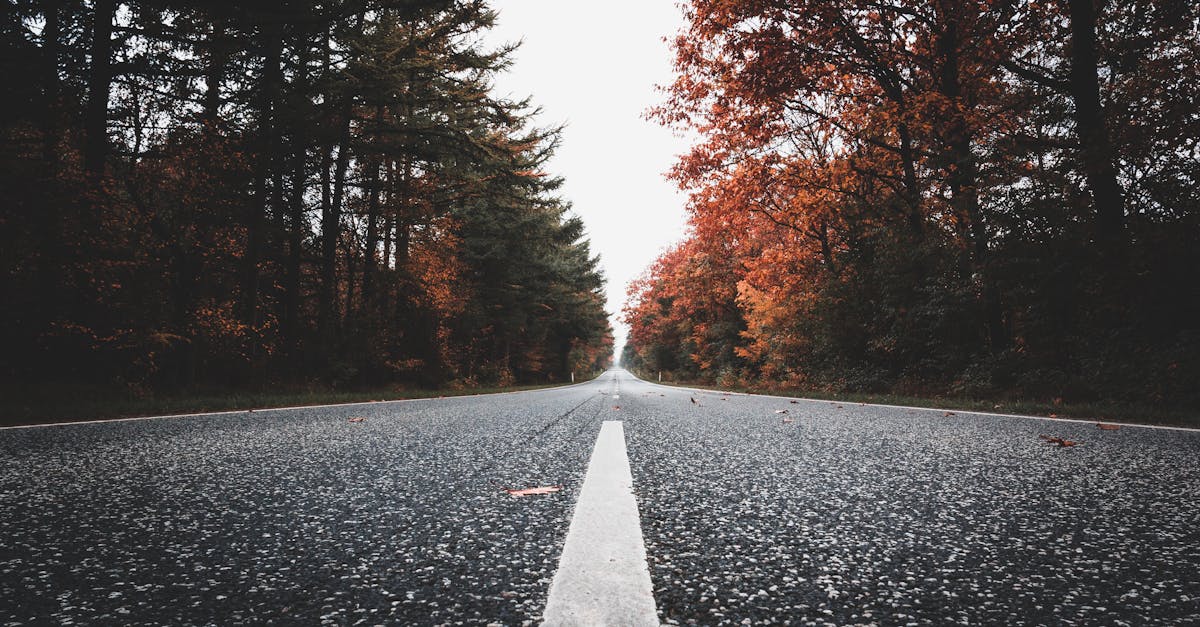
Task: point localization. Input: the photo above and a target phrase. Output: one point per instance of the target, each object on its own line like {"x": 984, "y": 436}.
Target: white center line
{"x": 602, "y": 577}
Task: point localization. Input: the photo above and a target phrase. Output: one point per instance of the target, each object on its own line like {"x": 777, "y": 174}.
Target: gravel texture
{"x": 851, "y": 514}
{"x": 298, "y": 516}
{"x": 845, "y": 514}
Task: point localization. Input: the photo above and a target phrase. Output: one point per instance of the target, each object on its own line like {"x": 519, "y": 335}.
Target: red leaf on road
{"x": 357, "y": 419}
{"x": 1060, "y": 442}
{"x": 531, "y": 491}
{"x": 1107, "y": 427}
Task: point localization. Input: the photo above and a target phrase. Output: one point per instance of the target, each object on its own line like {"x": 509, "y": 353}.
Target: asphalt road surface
{"x": 827, "y": 514}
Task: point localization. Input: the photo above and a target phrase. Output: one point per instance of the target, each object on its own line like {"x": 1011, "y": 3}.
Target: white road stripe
{"x": 602, "y": 577}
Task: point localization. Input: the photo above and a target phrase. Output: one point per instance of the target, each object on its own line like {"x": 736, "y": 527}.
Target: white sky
{"x": 594, "y": 66}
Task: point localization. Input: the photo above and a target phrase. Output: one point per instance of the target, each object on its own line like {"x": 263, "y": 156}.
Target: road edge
{"x": 913, "y": 407}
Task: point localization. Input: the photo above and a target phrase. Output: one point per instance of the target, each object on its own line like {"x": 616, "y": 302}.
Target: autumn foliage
{"x": 978, "y": 197}
{"x": 247, "y": 193}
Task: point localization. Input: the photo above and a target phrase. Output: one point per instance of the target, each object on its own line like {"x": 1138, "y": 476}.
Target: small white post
{"x": 572, "y": 376}
{"x": 660, "y": 376}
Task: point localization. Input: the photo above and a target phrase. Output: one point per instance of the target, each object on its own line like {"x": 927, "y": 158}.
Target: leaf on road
{"x": 532, "y": 491}
{"x": 357, "y": 419}
{"x": 788, "y": 421}
{"x": 781, "y": 411}
{"x": 693, "y": 400}
{"x": 1107, "y": 427}
{"x": 616, "y": 407}
{"x": 948, "y": 414}
{"x": 1057, "y": 441}
{"x": 794, "y": 402}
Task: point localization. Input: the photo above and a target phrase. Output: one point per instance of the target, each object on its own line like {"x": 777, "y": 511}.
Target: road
{"x": 827, "y": 514}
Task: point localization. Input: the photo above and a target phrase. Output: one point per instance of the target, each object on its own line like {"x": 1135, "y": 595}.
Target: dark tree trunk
{"x": 962, "y": 174}
{"x": 51, "y": 49}
{"x": 297, "y": 224}
{"x": 372, "y": 243}
{"x": 1098, "y": 158}
{"x": 328, "y": 267}
{"x": 214, "y": 72}
{"x": 272, "y": 44}
{"x": 95, "y": 148}
{"x": 912, "y": 191}
{"x": 49, "y": 222}
{"x": 331, "y": 221}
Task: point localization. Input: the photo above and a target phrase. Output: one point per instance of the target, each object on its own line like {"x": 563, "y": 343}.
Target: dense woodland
{"x": 988, "y": 198}
{"x": 298, "y": 191}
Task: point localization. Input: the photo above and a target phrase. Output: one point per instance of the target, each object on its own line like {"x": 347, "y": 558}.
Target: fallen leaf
{"x": 616, "y": 407}
{"x": 781, "y": 411}
{"x": 693, "y": 400}
{"x": 357, "y": 419}
{"x": 794, "y": 402}
{"x": 1107, "y": 427}
{"x": 788, "y": 421}
{"x": 1054, "y": 415}
{"x": 948, "y": 414}
{"x": 531, "y": 491}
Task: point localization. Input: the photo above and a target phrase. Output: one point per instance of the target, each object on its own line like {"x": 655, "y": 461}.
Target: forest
{"x": 977, "y": 198}
{"x": 281, "y": 192}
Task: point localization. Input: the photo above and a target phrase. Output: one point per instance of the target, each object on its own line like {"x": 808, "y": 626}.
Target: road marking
{"x": 602, "y": 577}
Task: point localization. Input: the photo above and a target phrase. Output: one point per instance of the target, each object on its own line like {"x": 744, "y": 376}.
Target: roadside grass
{"x": 30, "y": 405}
{"x": 1099, "y": 412}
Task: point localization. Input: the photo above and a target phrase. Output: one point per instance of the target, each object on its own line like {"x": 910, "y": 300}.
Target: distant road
{"x": 828, "y": 513}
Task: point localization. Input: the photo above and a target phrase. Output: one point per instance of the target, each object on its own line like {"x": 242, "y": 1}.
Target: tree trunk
{"x": 51, "y": 49}
{"x": 962, "y": 172}
{"x": 214, "y": 73}
{"x": 328, "y": 268}
{"x": 95, "y": 148}
{"x": 49, "y": 222}
{"x": 297, "y": 225}
{"x": 372, "y": 243}
{"x": 272, "y": 42}
{"x": 1098, "y": 158}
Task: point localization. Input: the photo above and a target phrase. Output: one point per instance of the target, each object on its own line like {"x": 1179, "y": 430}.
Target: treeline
{"x": 206, "y": 193}
{"x": 935, "y": 197}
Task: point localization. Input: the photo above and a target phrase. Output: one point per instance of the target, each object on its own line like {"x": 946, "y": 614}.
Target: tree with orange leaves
{"x": 913, "y": 193}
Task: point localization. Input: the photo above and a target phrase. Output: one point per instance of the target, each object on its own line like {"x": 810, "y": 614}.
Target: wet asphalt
{"x": 827, "y": 514}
